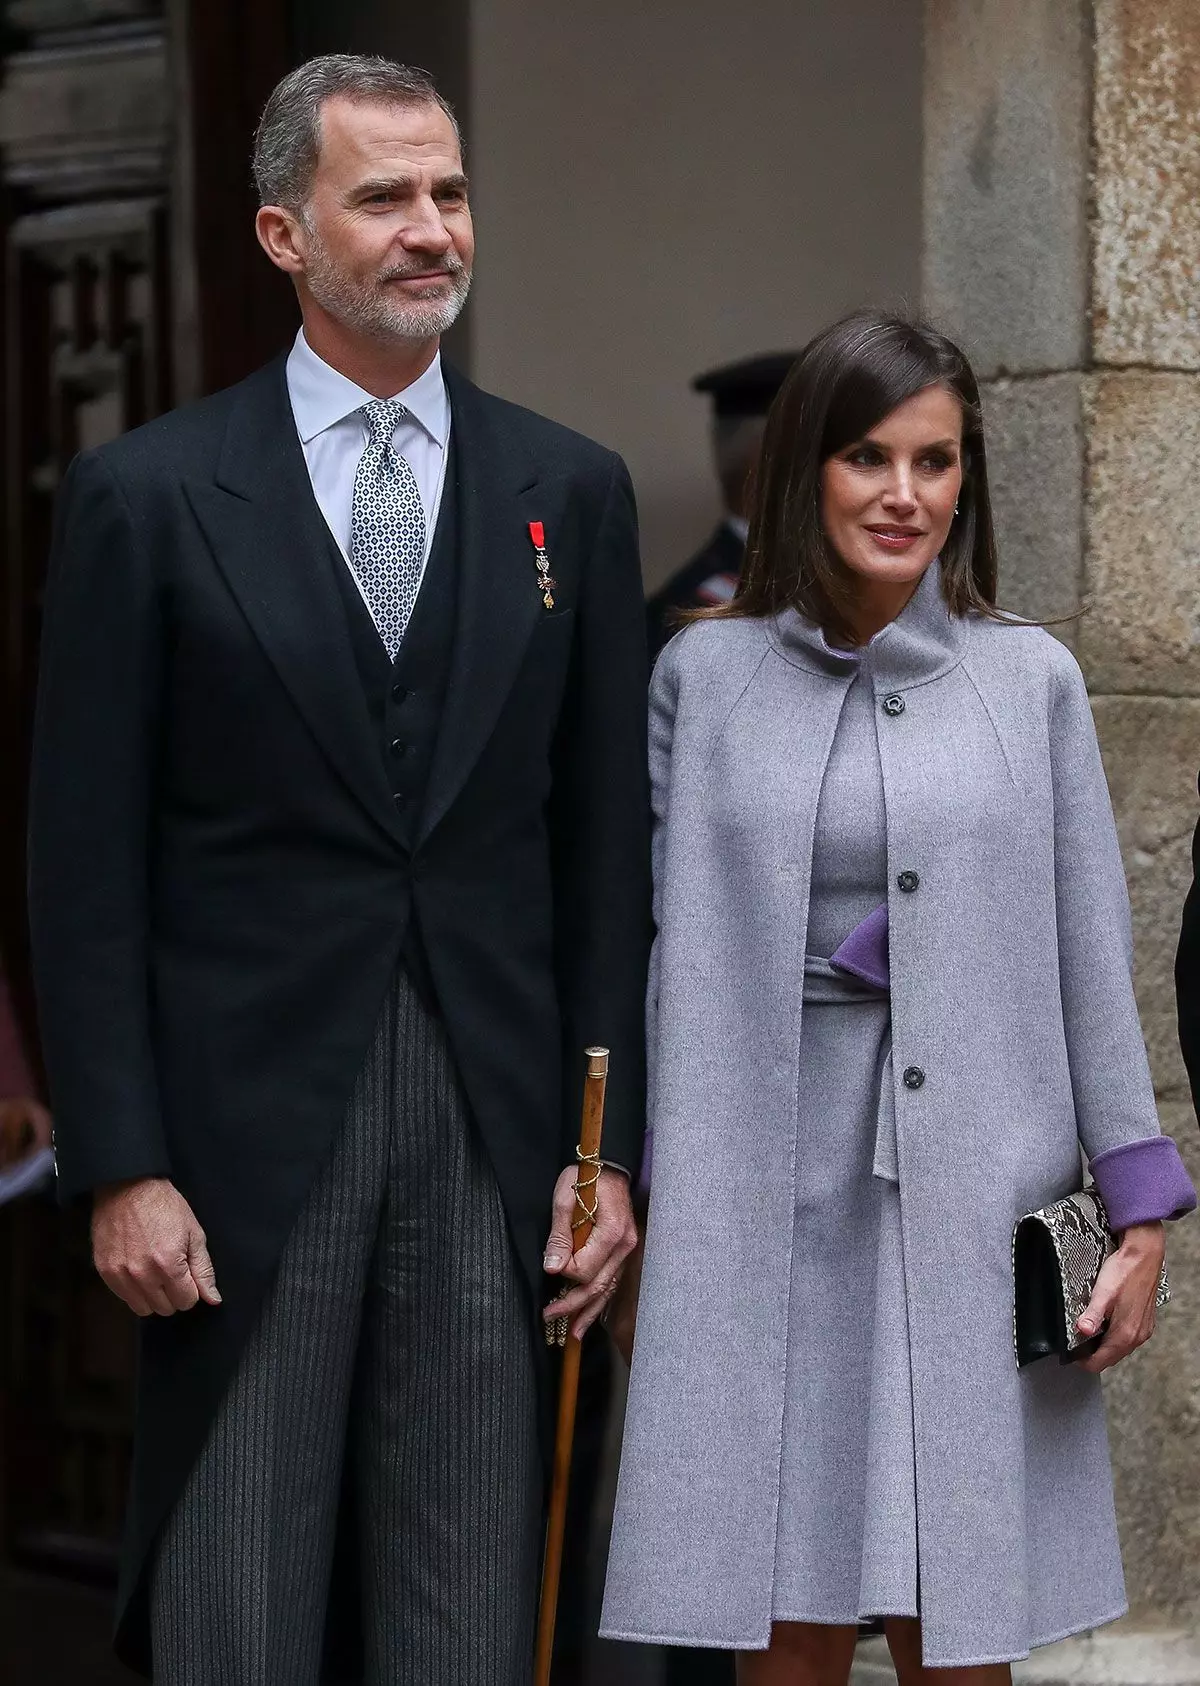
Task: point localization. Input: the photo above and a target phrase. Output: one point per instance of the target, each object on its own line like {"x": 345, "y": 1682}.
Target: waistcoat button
{"x": 908, "y": 882}
{"x": 893, "y": 705}
{"x": 398, "y": 693}
{"x": 398, "y": 746}
{"x": 914, "y": 1077}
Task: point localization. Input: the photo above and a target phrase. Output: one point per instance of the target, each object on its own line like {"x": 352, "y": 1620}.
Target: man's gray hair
{"x": 287, "y": 142}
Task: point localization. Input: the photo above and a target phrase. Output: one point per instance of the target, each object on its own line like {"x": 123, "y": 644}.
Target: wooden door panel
{"x": 130, "y": 282}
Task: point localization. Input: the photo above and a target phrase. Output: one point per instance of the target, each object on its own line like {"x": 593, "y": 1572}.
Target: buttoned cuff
{"x": 1143, "y": 1182}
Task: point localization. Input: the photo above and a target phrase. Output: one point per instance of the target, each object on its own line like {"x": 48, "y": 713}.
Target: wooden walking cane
{"x": 586, "y": 1180}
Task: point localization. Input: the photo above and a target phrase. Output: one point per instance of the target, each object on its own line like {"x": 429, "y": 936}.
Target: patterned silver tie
{"x": 387, "y": 540}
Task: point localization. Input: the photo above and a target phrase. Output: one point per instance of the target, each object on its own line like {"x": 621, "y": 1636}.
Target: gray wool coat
{"x": 1011, "y": 993}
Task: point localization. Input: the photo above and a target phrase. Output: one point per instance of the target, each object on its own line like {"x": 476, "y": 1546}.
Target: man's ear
{"x": 281, "y": 237}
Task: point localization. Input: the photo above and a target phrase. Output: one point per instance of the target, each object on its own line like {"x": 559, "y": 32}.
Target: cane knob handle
{"x": 597, "y": 1062}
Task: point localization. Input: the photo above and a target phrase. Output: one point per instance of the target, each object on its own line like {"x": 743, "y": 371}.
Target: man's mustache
{"x": 452, "y": 268}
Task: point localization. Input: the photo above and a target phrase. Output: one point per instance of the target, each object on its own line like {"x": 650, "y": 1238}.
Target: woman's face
{"x": 887, "y": 501}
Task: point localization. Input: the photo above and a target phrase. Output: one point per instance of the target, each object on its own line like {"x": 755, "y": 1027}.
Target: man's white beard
{"x": 373, "y": 309}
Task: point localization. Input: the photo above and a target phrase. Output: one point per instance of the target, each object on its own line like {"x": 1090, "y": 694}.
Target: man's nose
{"x": 426, "y": 232}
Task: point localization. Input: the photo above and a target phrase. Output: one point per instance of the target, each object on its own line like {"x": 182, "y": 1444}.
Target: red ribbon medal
{"x": 546, "y": 585}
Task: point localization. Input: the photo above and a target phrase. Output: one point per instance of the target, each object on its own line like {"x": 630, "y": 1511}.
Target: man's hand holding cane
{"x": 598, "y": 1264}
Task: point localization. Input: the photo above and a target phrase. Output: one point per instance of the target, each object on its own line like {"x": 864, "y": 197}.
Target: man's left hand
{"x": 598, "y": 1264}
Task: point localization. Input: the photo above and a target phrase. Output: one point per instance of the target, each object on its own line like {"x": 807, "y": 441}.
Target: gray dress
{"x": 846, "y": 1541}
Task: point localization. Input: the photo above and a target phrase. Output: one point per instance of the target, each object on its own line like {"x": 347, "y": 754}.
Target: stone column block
{"x": 1154, "y": 1450}
{"x": 1006, "y": 110}
{"x": 1146, "y": 234}
{"x": 1035, "y": 467}
{"x": 1141, "y": 627}
{"x": 1151, "y": 749}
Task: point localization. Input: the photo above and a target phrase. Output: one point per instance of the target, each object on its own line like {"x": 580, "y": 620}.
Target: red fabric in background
{"x": 16, "y": 1077}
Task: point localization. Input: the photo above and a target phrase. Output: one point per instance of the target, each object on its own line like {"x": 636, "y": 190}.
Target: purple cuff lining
{"x": 864, "y": 954}
{"x": 1142, "y": 1182}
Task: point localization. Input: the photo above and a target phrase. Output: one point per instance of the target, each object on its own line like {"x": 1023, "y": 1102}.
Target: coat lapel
{"x": 270, "y": 541}
{"x": 498, "y": 603}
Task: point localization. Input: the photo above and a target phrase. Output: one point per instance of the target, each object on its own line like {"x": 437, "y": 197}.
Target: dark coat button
{"x": 893, "y": 705}
{"x": 399, "y": 798}
{"x": 399, "y": 694}
{"x": 914, "y": 1077}
{"x": 908, "y": 882}
{"x": 398, "y": 746}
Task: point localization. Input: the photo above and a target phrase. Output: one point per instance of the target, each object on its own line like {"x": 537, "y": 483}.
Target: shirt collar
{"x": 321, "y": 396}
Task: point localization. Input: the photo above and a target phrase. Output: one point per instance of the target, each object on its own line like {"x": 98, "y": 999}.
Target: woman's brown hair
{"x": 843, "y": 384}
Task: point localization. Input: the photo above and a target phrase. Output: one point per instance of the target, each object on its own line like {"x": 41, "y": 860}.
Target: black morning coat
{"x": 1187, "y": 977}
{"x": 220, "y": 884}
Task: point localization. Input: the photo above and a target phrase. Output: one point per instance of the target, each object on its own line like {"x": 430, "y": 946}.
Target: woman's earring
{"x": 956, "y": 506}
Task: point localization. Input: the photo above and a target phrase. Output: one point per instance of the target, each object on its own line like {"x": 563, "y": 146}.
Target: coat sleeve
{"x": 599, "y": 822}
{"x": 94, "y": 754}
{"x": 1187, "y": 977}
{"x": 664, "y": 692}
{"x": 1137, "y": 1170}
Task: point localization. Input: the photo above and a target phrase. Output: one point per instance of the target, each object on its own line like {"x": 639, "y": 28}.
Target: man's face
{"x": 387, "y": 235}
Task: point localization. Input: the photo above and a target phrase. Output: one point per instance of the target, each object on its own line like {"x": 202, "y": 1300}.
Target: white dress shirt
{"x": 334, "y": 436}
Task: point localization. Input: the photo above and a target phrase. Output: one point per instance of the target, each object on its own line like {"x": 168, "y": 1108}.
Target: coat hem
{"x": 690, "y": 1642}
{"x": 1056, "y": 1638}
{"x": 728, "y": 1643}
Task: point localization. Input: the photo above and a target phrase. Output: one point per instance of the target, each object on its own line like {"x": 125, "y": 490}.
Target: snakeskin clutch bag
{"x": 1057, "y": 1256}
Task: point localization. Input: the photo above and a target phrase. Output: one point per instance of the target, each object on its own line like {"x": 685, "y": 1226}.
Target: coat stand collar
{"x": 922, "y": 643}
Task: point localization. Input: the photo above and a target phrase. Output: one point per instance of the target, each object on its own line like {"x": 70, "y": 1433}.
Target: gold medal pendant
{"x": 546, "y": 584}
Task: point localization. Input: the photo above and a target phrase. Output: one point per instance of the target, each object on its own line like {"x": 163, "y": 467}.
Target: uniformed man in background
{"x": 741, "y": 394}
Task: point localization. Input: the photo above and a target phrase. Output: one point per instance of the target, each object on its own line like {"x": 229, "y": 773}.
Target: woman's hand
{"x": 1126, "y": 1290}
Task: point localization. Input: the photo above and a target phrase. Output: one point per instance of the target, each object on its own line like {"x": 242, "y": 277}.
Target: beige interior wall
{"x": 660, "y": 185}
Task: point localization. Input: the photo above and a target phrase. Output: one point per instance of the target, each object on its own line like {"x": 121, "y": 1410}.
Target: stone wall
{"x": 1062, "y": 243}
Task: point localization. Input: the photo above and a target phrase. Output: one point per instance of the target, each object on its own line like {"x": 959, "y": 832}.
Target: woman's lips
{"x": 895, "y": 539}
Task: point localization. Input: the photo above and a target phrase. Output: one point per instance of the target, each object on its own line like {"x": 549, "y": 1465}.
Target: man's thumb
{"x": 203, "y": 1274}
{"x": 558, "y": 1244}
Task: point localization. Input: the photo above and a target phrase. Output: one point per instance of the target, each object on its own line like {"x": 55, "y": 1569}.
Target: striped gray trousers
{"x": 397, "y": 1340}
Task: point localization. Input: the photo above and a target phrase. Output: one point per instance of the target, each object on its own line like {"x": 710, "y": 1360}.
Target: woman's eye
{"x": 866, "y": 456}
{"x": 937, "y": 462}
